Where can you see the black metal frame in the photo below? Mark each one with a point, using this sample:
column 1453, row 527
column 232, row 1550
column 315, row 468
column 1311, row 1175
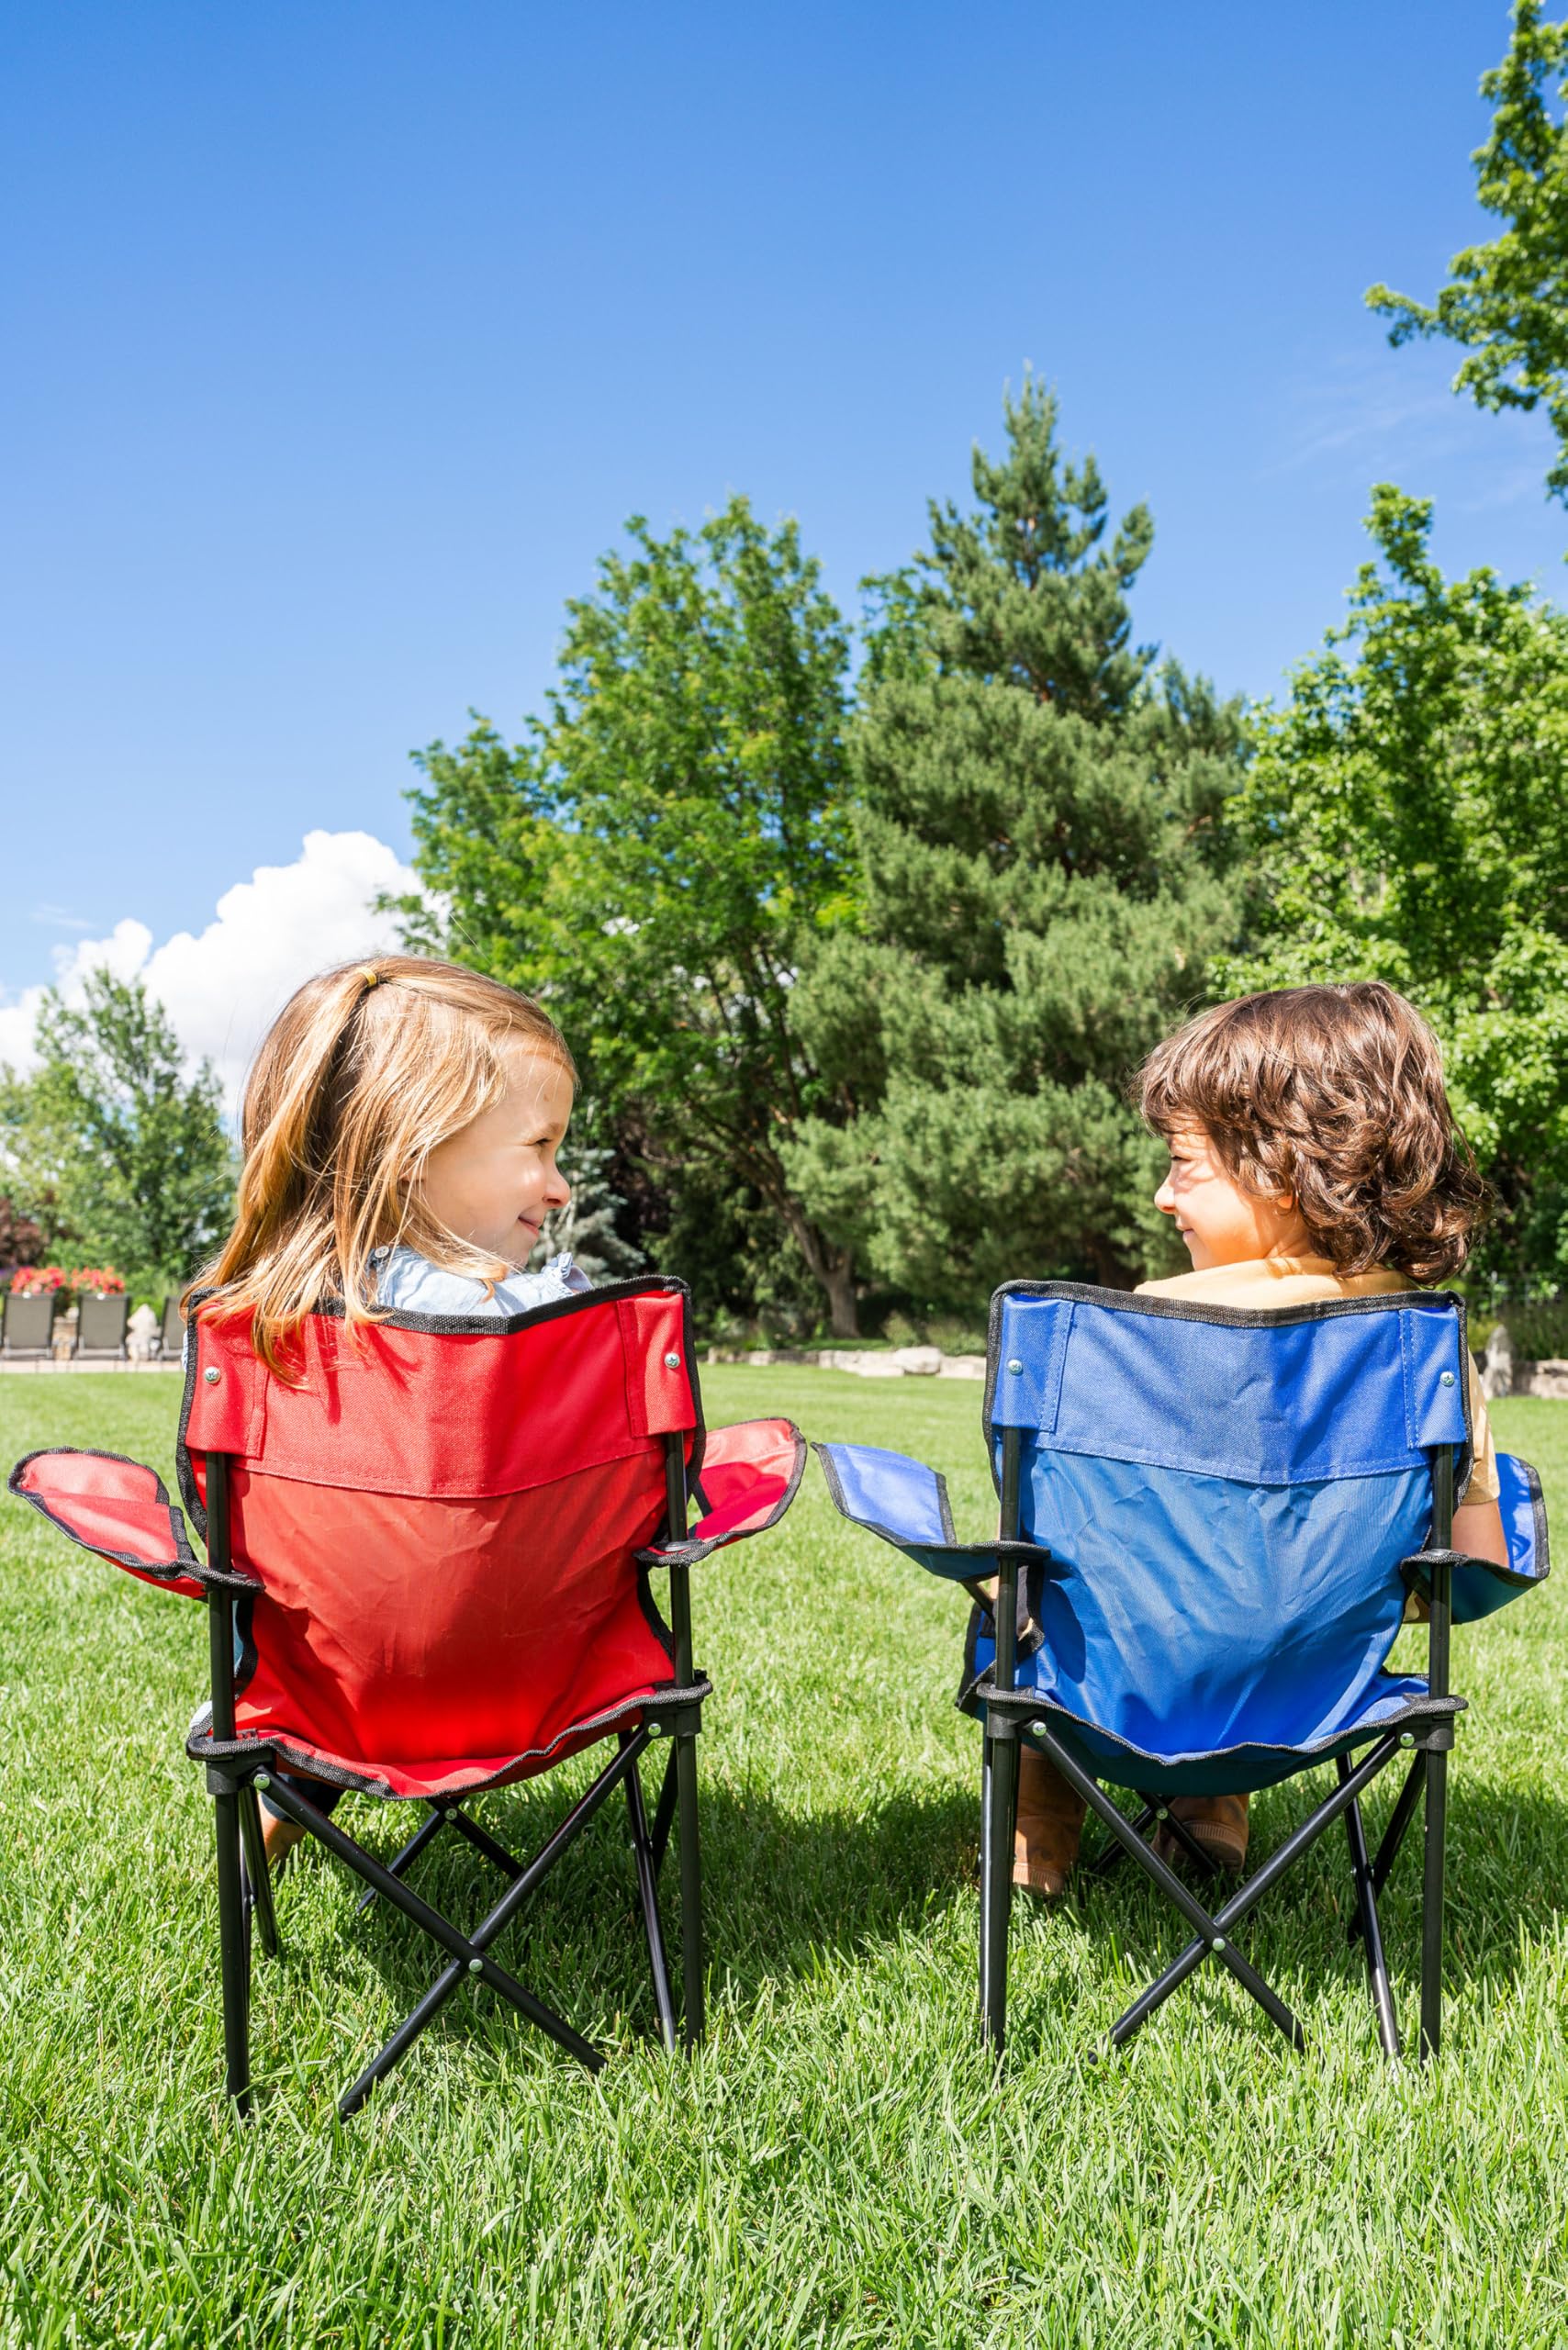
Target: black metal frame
column 1011, row 1712
column 244, row 1889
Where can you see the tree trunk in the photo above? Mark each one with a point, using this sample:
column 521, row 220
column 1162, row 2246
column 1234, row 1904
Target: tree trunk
column 843, row 1306
column 832, row 1267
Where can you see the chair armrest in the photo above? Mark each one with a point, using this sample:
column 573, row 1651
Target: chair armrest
column 1478, row 1586
column 121, row 1512
column 749, row 1475
column 906, row 1504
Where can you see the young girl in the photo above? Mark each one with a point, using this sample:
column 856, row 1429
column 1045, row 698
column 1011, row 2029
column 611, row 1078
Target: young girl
column 1313, row 1155
column 401, row 1129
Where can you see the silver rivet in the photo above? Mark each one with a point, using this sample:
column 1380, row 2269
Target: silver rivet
column 212, row 1376
column 656, row 1729
column 1016, row 1367
column 476, row 1966
column 1039, row 1728
column 262, row 1779
column 1160, row 1812
column 1406, row 1738
column 1447, row 1379
column 1217, row 1944
column 672, row 1362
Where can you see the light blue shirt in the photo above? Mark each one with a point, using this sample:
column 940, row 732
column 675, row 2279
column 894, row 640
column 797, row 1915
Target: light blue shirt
column 406, row 1282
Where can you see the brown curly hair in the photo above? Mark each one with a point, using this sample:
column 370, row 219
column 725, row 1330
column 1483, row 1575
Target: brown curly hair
column 1335, row 1097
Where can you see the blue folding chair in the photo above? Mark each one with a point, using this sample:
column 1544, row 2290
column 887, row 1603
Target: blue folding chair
column 1211, row 1522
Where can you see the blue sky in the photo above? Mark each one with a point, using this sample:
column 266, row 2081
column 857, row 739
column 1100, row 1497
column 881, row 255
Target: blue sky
column 342, row 337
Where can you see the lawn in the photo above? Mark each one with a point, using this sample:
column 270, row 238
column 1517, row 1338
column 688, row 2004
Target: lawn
column 840, row 2166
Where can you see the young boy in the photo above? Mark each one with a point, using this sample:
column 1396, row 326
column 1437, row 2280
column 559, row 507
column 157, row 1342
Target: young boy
column 1314, row 1154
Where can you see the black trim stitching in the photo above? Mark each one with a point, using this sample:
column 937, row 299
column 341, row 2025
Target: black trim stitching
column 1025, row 1701
column 1244, row 1317
column 1416, row 1571
column 202, row 1747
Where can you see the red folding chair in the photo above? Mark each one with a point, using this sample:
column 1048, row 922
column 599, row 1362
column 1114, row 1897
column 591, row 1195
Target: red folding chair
column 428, row 1574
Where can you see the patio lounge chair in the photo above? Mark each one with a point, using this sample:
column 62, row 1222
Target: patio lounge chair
column 101, row 1328
column 172, row 1332
column 28, row 1326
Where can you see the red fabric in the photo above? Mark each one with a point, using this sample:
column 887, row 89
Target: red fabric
column 408, row 1640
column 749, row 1474
column 115, row 1507
column 380, row 1409
column 444, row 1527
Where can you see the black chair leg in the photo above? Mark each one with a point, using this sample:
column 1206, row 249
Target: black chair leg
column 692, row 2018
column 996, row 1889
column 985, row 1870
column 664, row 1810
column 1432, row 1902
column 233, row 1949
column 1388, row 1851
column 648, row 1895
column 1371, row 1932
column 426, row 1833
column 257, row 1878
column 1111, row 1854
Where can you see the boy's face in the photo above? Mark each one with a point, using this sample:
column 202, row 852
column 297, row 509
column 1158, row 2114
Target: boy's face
column 1221, row 1223
column 494, row 1183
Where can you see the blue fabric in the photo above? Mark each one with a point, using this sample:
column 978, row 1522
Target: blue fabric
column 1233, row 1770
column 1227, row 1499
column 1520, row 1496
column 906, row 1504
column 1189, row 1616
column 1272, row 1400
column 1480, row 1590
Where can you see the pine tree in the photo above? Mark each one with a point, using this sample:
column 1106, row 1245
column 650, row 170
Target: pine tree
column 1044, row 879
column 586, row 1225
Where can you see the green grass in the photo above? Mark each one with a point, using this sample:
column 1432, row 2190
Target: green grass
column 840, row 2166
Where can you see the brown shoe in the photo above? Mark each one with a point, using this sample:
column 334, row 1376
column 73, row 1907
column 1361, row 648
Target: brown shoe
column 1217, row 1824
column 1050, row 1819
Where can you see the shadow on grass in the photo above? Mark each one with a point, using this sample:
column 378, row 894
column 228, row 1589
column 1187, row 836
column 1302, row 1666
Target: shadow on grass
column 783, row 1890
column 1506, row 1865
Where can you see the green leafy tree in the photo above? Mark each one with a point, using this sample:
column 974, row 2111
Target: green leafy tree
column 108, row 1141
column 1037, row 820
column 1403, row 818
column 658, row 854
column 1507, row 302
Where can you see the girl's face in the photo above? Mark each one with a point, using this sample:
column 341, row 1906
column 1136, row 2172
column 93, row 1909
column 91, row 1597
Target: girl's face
column 1221, row 1224
column 494, row 1183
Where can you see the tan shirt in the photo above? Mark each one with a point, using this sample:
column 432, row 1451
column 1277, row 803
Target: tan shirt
column 1302, row 1280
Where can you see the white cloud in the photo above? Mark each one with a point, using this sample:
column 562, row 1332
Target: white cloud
column 223, row 987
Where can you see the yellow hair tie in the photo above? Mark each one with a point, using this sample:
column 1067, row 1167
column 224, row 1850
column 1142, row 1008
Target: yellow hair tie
column 368, row 976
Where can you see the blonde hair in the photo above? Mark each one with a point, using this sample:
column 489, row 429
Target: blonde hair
column 365, row 1071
